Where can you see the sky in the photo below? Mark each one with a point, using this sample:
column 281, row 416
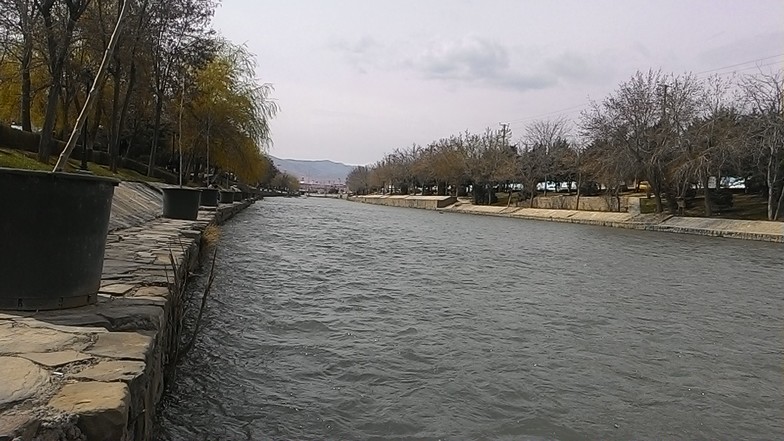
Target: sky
column 356, row 79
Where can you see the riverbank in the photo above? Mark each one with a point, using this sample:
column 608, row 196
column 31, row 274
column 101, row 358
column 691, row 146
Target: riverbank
column 737, row 229
column 97, row 372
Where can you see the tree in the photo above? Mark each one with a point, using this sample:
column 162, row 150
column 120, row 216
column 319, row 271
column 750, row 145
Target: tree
column 177, row 41
column 647, row 118
column 543, row 148
column 358, row 180
column 97, row 84
column 763, row 98
column 17, row 20
column 60, row 20
column 227, row 117
column 711, row 138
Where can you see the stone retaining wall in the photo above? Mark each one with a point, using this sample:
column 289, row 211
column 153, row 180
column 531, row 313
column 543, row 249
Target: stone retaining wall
column 588, row 203
column 425, row 202
column 97, row 372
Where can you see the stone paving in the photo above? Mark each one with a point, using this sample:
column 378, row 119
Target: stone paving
column 96, row 372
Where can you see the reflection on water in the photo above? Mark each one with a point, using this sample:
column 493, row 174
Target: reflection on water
column 338, row 320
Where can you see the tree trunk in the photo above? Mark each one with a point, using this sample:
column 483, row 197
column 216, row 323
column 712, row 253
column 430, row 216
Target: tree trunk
column 26, row 99
column 707, row 203
column 50, row 117
column 126, row 104
column 92, row 132
column 155, row 132
column 114, row 146
column 657, row 191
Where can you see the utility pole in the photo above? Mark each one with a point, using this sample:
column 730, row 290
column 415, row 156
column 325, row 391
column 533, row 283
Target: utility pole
column 504, row 127
column 664, row 100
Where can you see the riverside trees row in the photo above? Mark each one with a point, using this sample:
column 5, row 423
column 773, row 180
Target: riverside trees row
column 677, row 132
column 172, row 82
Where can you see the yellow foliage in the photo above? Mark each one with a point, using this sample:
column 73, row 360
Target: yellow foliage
column 227, row 113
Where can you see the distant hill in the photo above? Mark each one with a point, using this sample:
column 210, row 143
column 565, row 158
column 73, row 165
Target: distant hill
column 314, row 171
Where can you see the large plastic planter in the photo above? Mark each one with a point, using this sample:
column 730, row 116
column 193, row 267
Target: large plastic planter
column 52, row 238
column 209, row 197
column 226, row 197
column 237, row 196
column 181, row 203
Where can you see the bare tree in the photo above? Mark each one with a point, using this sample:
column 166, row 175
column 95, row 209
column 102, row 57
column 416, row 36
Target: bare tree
column 763, row 98
column 541, row 140
column 647, row 117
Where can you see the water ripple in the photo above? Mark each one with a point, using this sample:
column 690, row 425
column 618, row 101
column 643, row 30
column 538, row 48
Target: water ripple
column 332, row 320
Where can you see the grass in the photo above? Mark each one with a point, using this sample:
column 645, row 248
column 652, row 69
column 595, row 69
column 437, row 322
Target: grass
column 744, row 206
column 12, row 158
column 209, row 238
column 16, row 159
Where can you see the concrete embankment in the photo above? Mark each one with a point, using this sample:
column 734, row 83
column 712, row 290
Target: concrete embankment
column 739, row 229
column 97, row 372
column 425, row 202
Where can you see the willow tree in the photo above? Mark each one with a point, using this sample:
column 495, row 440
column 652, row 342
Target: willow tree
column 228, row 114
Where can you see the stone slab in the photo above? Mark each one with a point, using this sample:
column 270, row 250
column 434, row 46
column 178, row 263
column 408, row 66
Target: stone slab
column 57, row 358
column 116, row 289
column 22, row 379
column 16, row 339
column 152, row 291
column 122, row 345
column 112, row 370
column 102, row 408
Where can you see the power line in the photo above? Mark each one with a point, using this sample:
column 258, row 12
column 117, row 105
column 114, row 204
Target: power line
column 759, row 66
column 579, row 107
column 739, row 64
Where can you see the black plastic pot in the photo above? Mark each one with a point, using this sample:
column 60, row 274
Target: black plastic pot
column 237, row 196
column 181, row 203
column 209, row 197
column 226, row 196
column 52, row 238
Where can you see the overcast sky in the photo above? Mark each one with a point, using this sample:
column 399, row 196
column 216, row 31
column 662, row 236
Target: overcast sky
column 357, row 78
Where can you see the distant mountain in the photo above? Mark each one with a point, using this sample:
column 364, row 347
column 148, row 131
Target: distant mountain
column 314, row 171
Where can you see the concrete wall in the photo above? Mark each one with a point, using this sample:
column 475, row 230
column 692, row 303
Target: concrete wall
column 424, row 202
column 588, row 203
column 739, row 229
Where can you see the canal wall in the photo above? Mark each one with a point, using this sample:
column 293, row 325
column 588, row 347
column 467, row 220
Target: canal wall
column 739, row 229
column 629, row 204
column 424, row 202
column 97, row 372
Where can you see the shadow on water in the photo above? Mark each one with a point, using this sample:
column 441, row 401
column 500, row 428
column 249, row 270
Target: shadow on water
column 338, row 320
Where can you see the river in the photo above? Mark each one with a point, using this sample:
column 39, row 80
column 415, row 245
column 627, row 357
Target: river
column 338, row 320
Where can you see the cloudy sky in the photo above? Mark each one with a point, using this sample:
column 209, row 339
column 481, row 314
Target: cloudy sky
column 357, row 78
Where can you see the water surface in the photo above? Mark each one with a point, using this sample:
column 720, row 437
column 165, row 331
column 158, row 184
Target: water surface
column 338, row 320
